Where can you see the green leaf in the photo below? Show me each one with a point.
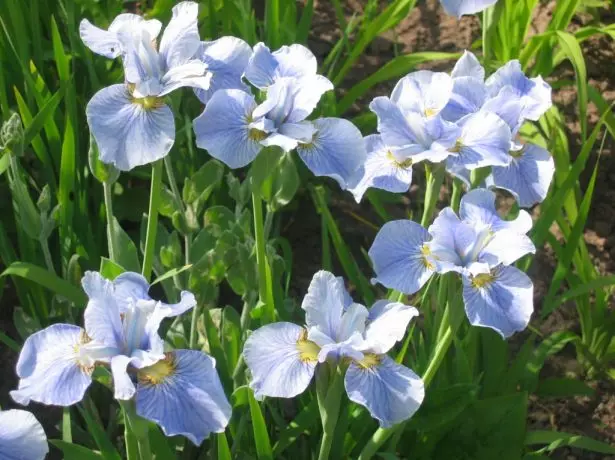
(261, 437)
(263, 166)
(160, 444)
(109, 269)
(549, 346)
(25, 324)
(48, 280)
(95, 428)
(125, 248)
(171, 273)
(282, 184)
(75, 451)
(563, 388)
(224, 453)
(41, 118)
(203, 182)
(556, 439)
(240, 397)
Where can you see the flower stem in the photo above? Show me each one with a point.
(434, 178)
(136, 432)
(330, 411)
(109, 212)
(193, 323)
(152, 219)
(264, 275)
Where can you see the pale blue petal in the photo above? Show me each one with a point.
(180, 40)
(273, 357)
(128, 288)
(262, 67)
(451, 241)
(424, 92)
(462, 7)
(325, 302)
(142, 64)
(307, 93)
(477, 207)
(458, 171)
(336, 351)
(506, 247)
(528, 176)
(189, 402)
(265, 67)
(391, 392)
(508, 106)
(127, 134)
(162, 311)
(398, 256)
(102, 313)
(538, 99)
(286, 143)
(387, 325)
(135, 23)
(468, 66)
(193, 74)
(302, 131)
(226, 59)
(381, 170)
(337, 150)
(124, 388)
(222, 129)
(49, 368)
(504, 304)
(21, 436)
(353, 321)
(468, 96)
(392, 124)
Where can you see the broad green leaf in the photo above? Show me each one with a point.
(261, 437)
(302, 424)
(171, 273)
(161, 444)
(124, 247)
(75, 451)
(224, 453)
(109, 269)
(95, 428)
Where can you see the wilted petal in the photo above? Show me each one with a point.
(226, 59)
(478, 208)
(387, 325)
(325, 302)
(180, 40)
(183, 394)
(461, 7)
(528, 176)
(21, 436)
(423, 92)
(399, 257)
(391, 392)
(265, 67)
(468, 96)
(281, 360)
(50, 369)
(468, 66)
(102, 313)
(128, 133)
(223, 128)
(337, 150)
(501, 300)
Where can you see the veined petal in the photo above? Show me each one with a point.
(129, 133)
(129, 21)
(265, 67)
(223, 128)
(462, 7)
(286, 143)
(392, 124)
(180, 40)
(501, 300)
(193, 74)
(528, 176)
(478, 208)
(162, 311)
(307, 93)
(129, 287)
(387, 325)
(49, 367)
(353, 321)
(435, 138)
(102, 313)
(336, 350)
(399, 257)
(262, 67)
(381, 170)
(21, 436)
(324, 303)
(468, 96)
(451, 240)
(423, 92)
(337, 150)
(468, 66)
(183, 394)
(391, 392)
(281, 360)
(505, 247)
(226, 59)
(508, 106)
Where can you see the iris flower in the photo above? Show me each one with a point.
(21, 436)
(131, 122)
(180, 390)
(462, 7)
(477, 244)
(282, 357)
(234, 127)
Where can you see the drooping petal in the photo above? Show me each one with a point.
(183, 394)
(501, 300)
(391, 392)
(462, 7)
(506, 247)
(124, 388)
(180, 40)
(478, 208)
(337, 150)
(193, 74)
(102, 313)
(50, 369)
(528, 176)
(223, 128)
(324, 303)
(468, 66)
(129, 133)
(21, 436)
(281, 360)
(468, 96)
(387, 325)
(265, 67)
(423, 92)
(226, 60)
(381, 170)
(399, 257)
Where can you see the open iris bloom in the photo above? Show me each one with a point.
(179, 390)
(478, 245)
(283, 357)
(462, 7)
(21, 436)
(234, 127)
(131, 122)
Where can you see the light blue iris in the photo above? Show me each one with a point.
(121, 331)
(462, 7)
(234, 128)
(21, 436)
(130, 122)
(282, 357)
(478, 245)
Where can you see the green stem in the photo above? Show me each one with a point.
(67, 433)
(136, 432)
(47, 255)
(193, 322)
(173, 182)
(456, 196)
(109, 212)
(132, 449)
(330, 411)
(434, 178)
(152, 219)
(264, 280)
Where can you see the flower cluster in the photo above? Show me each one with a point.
(478, 245)
(283, 357)
(180, 390)
(465, 121)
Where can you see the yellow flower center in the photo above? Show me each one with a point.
(149, 102)
(370, 360)
(157, 373)
(405, 164)
(256, 135)
(457, 147)
(429, 112)
(308, 350)
(426, 252)
(482, 280)
(517, 153)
